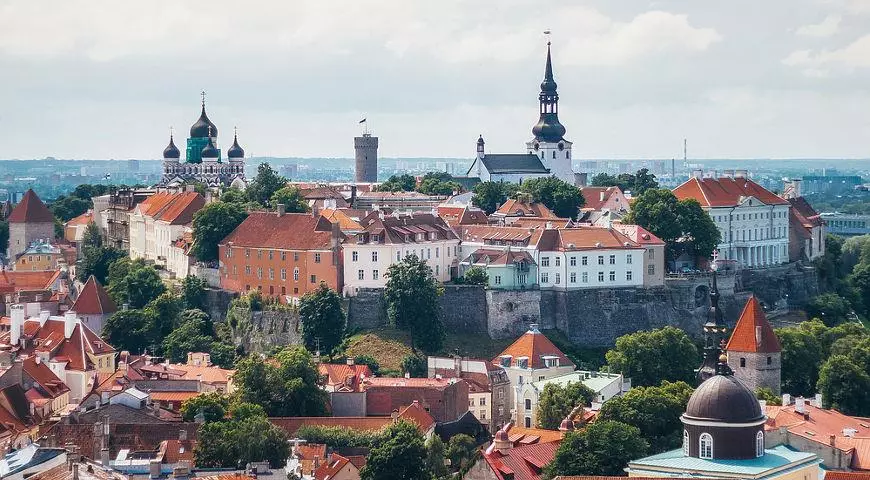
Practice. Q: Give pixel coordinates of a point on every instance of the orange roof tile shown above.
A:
(513, 207)
(523, 462)
(42, 374)
(30, 210)
(638, 234)
(291, 231)
(542, 434)
(330, 469)
(343, 220)
(82, 219)
(835, 475)
(534, 345)
(820, 424)
(172, 396)
(93, 299)
(753, 332)
(592, 195)
(417, 414)
(338, 374)
(13, 281)
(586, 238)
(725, 192)
(292, 424)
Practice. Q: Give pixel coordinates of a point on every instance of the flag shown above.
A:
(362, 121)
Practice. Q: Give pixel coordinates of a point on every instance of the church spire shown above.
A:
(548, 128)
(714, 335)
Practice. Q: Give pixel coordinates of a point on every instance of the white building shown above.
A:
(753, 222)
(589, 257)
(158, 222)
(604, 386)
(389, 239)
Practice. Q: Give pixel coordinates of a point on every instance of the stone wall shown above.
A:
(367, 310)
(464, 308)
(511, 311)
(260, 331)
(773, 286)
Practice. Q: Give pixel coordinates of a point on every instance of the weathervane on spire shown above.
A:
(202, 93)
(171, 132)
(235, 132)
(547, 33)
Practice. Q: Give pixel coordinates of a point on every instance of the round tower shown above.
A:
(366, 148)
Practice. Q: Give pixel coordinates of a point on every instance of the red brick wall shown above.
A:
(327, 270)
(444, 405)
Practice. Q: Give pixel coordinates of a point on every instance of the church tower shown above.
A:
(714, 333)
(202, 133)
(549, 143)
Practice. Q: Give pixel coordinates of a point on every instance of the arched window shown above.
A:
(759, 444)
(705, 446)
(686, 443)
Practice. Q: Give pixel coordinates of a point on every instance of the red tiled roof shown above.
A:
(395, 230)
(178, 450)
(638, 234)
(725, 192)
(540, 434)
(93, 299)
(42, 374)
(586, 238)
(82, 219)
(513, 207)
(30, 210)
(50, 338)
(462, 215)
(292, 424)
(172, 396)
(483, 233)
(12, 281)
(173, 208)
(330, 469)
(291, 231)
(753, 332)
(534, 345)
(523, 462)
(338, 374)
(418, 415)
(808, 215)
(436, 383)
(835, 475)
(592, 195)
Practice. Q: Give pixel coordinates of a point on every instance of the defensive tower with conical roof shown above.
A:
(754, 351)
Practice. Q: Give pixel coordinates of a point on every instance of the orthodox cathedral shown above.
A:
(547, 153)
(203, 162)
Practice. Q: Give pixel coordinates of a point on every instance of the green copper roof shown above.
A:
(774, 459)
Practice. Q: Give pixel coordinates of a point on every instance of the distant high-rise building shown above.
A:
(366, 148)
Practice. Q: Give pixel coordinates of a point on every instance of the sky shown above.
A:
(738, 78)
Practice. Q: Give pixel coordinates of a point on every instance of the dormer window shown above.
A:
(523, 362)
(550, 361)
(505, 360)
(376, 238)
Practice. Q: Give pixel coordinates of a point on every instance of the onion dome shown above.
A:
(235, 150)
(723, 399)
(209, 151)
(203, 127)
(171, 151)
(480, 141)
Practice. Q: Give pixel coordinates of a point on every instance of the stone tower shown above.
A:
(29, 221)
(366, 148)
(754, 352)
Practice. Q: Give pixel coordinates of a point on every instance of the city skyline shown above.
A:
(742, 80)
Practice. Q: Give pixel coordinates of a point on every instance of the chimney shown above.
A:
(502, 440)
(37, 359)
(16, 324)
(182, 435)
(281, 209)
(104, 456)
(154, 469)
(697, 173)
(741, 173)
(786, 399)
(800, 405)
(352, 194)
(601, 196)
(350, 361)
(457, 366)
(817, 400)
(43, 317)
(69, 323)
(189, 188)
(758, 336)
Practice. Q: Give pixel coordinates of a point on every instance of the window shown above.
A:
(769, 360)
(600, 277)
(573, 277)
(437, 252)
(558, 261)
(259, 253)
(295, 256)
(271, 255)
(545, 277)
(501, 397)
(573, 261)
(557, 279)
(296, 274)
(482, 401)
(742, 362)
(528, 404)
(585, 277)
(247, 269)
(601, 259)
(705, 444)
(470, 402)
(497, 280)
(259, 272)
(528, 422)
(759, 444)
(271, 274)
(686, 443)
(399, 256)
(584, 260)
(247, 253)
(541, 378)
(545, 261)
(283, 256)
(628, 259)
(437, 270)
(354, 256)
(316, 258)
(483, 414)
(361, 275)
(612, 276)
(375, 275)
(428, 253)
(374, 256)
(628, 276)
(314, 279)
(650, 269)
(283, 274)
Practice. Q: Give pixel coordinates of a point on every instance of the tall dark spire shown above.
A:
(714, 335)
(548, 128)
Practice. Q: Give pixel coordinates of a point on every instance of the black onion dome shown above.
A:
(723, 399)
(171, 151)
(209, 151)
(548, 128)
(480, 140)
(203, 127)
(235, 150)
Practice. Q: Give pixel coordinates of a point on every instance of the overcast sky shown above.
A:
(739, 78)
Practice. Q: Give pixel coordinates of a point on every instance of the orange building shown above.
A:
(283, 255)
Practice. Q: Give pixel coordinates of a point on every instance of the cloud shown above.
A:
(828, 27)
(821, 62)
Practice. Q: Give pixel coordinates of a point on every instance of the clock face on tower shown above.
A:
(537, 145)
(561, 146)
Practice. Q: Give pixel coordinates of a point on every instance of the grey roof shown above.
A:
(513, 163)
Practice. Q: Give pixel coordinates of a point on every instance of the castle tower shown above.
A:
(29, 221)
(754, 351)
(714, 333)
(549, 142)
(366, 148)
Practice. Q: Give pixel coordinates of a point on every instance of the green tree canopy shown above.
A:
(92, 237)
(247, 436)
(411, 295)
(193, 292)
(398, 183)
(766, 394)
(435, 455)
(138, 285)
(557, 401)
(802, 357)
(194, 334)
(438, 183)
(66, 208)
(488, 196)
(475, 276)
(655, 411)
(285, 387)
(292, 199)
(415, 366)
(401, 456)
(163, 314)
(462, 451)
(831, 308)
(213, 223)
(648, 357)
(4, 236)
(636, 183)
(96, 261)
(844, 386)
(264, 185)
(234, 195)
(322, 317)
(604, 180)
(559, 196)
(602, 448)
(127, 330)
(213, 407)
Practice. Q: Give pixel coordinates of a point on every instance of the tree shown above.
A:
(476, 276)
(291, 198)
(602, 448)
(438, 183)
(322, 318)
(369, 360)
(604, 180)
(401, 456)
(461, 450)
(700, 234)
(435, 455)
(193, 335)
(67, 208)
(127, 330)
(164, 314)
(96, 261)
(648, 357)
(844, 386)
(860, 281)
(643, 181)
(655, 411)
(339, 437)
(92, 237)
(559, 196)
(766, 394)
(265, 184)
(4, 236)
(247, 436)
(213, 406)
(285, 387)
(411, 295)
(211, 224)
(223, 354)
(488, 196)
(557, 401)
(234, 195)
(193, 292)
(398, 183)
(140, 285)
(415, 366)
(831, 308)
(87, 191)
(802, 357)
